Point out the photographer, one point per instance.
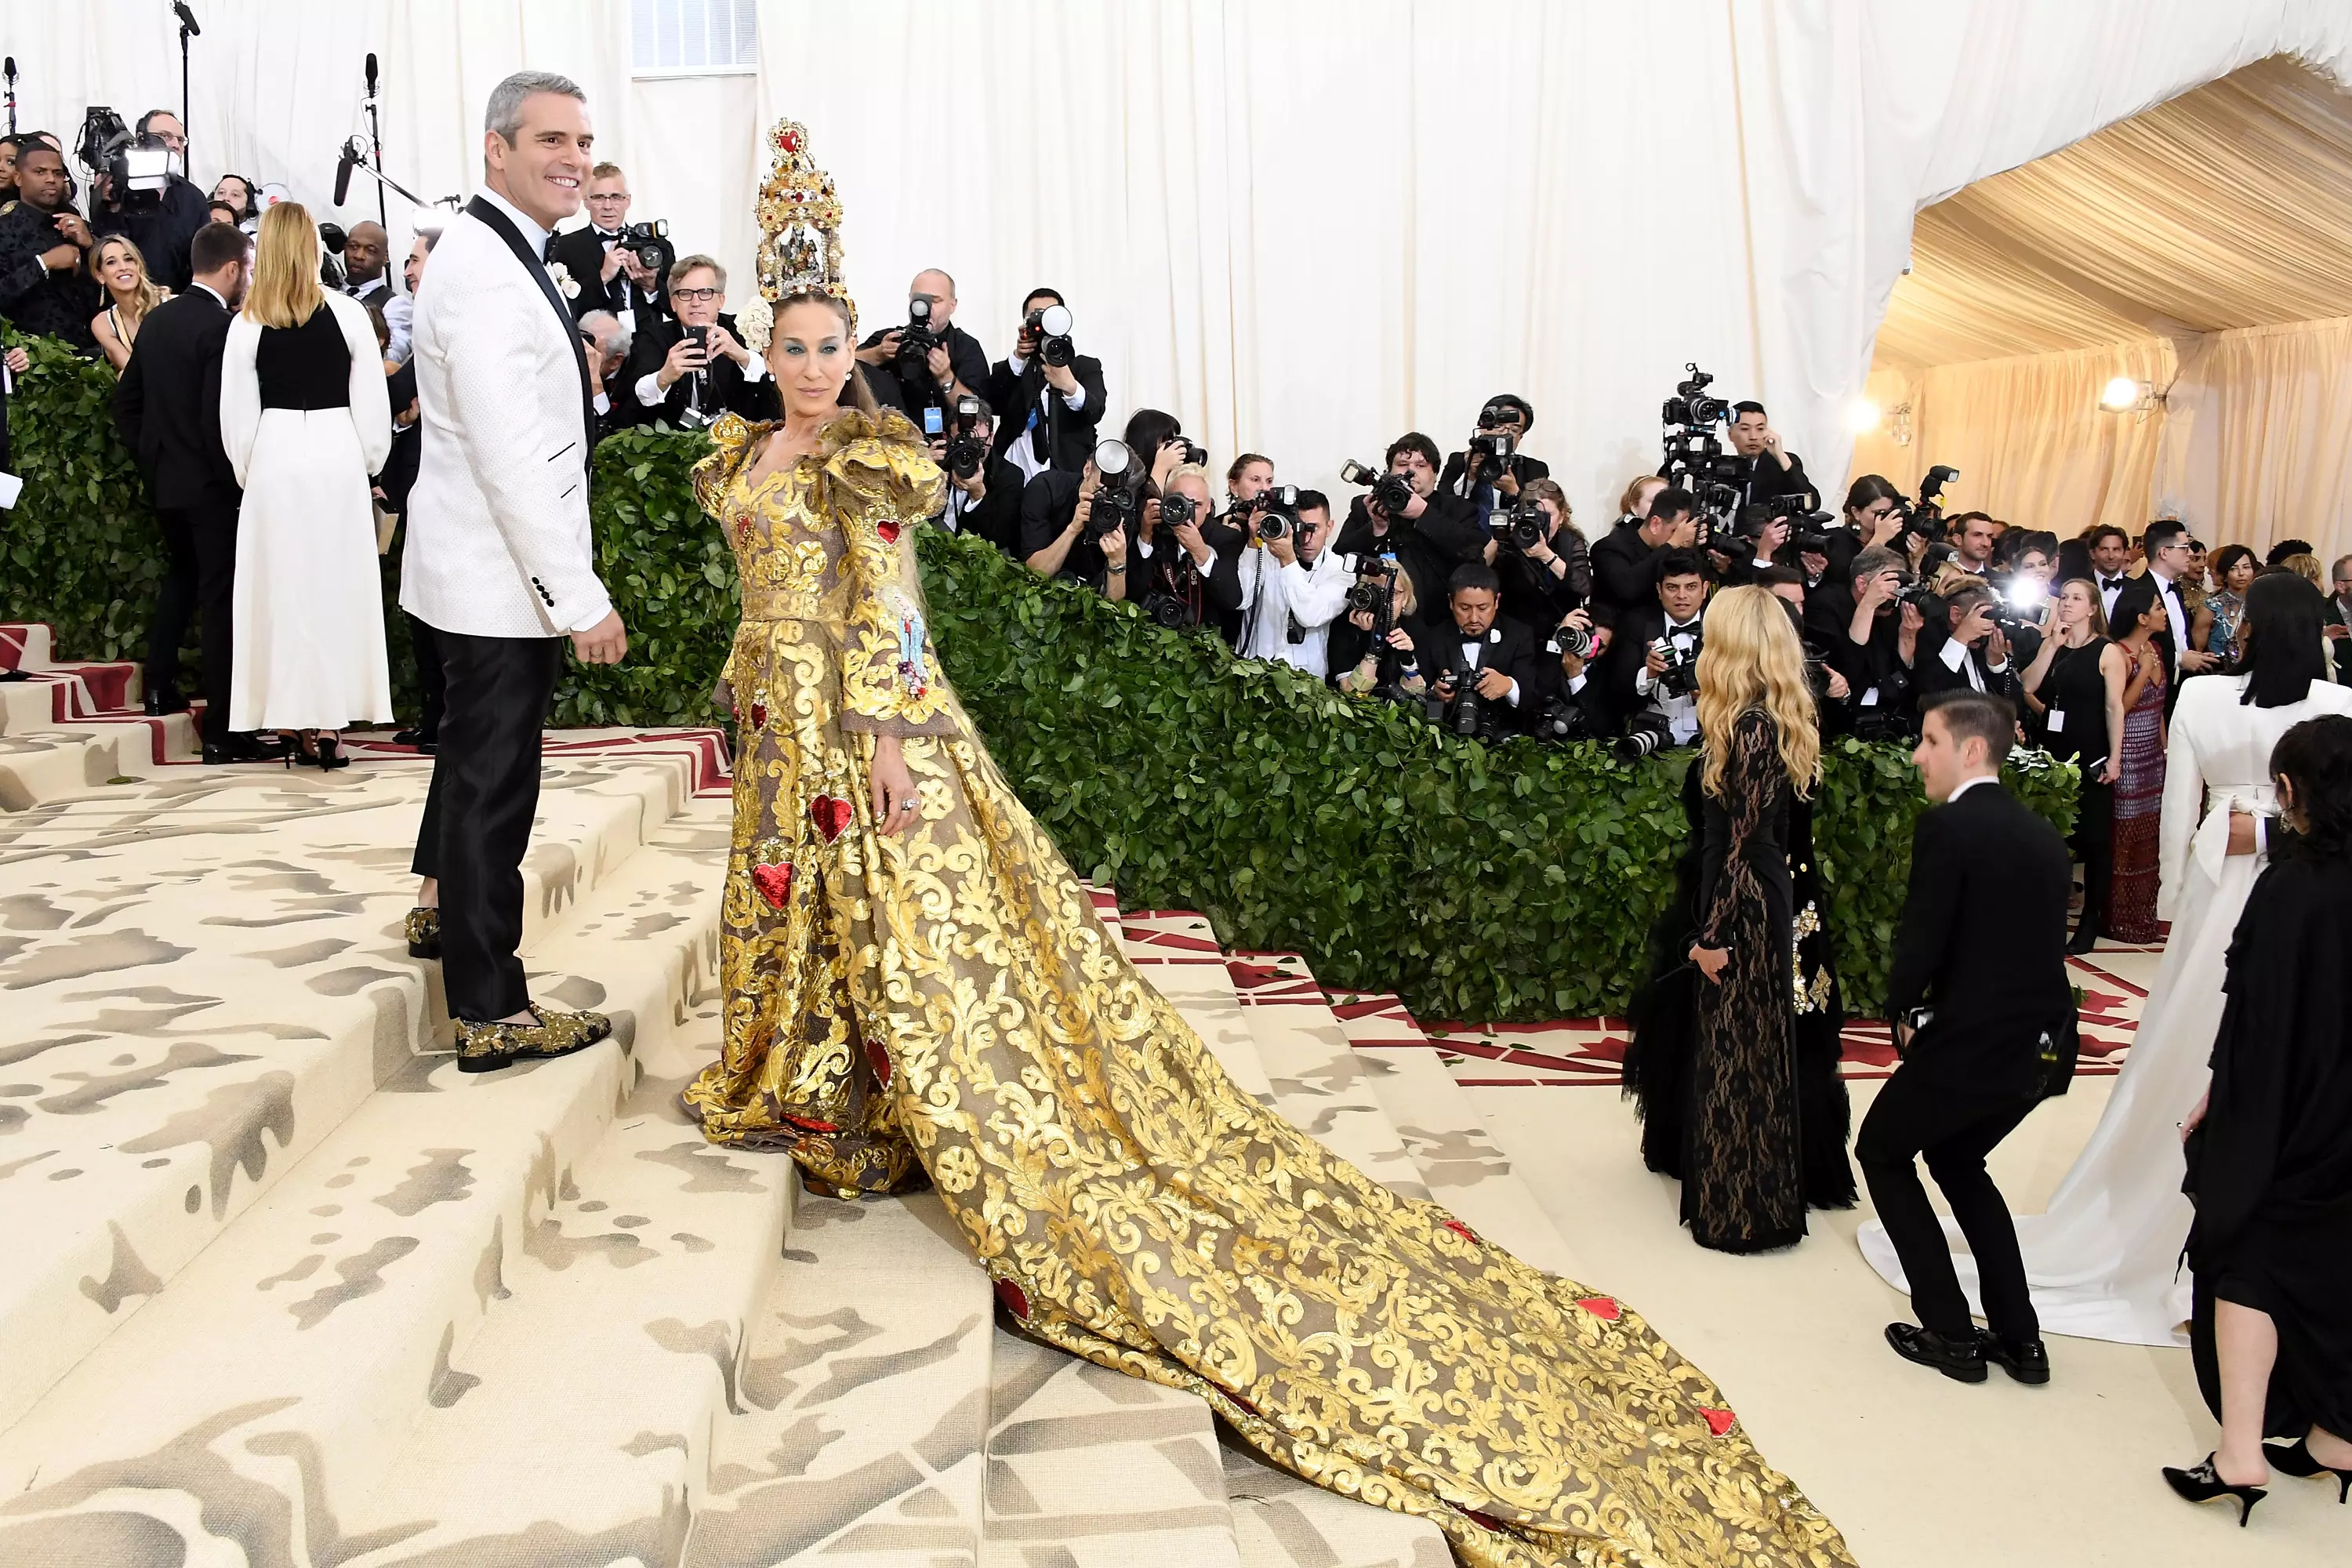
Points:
(602, 258)
(44, 287)
(1572, 705)
(1491, 471)
(1191, 560)
(1974, 654)
(688, 369)
(1545, 575)
(1292, 587)
(1872, 515)
(606, 338)
(1625, 561)
(1074, 528)
(1376, 646)
(1832, 693)
(1427, 532)
(367, 278)
(1870, 630)
(1482, 670)
(160, 223)
(1652, 670)
(983, 493)
(934, 361)
(1762, 469)
(1047, 411)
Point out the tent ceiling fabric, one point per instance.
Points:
(2228, 206)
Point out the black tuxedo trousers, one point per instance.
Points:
(478, 812)
(1916, 1113)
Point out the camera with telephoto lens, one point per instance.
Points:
(1276, 513)
(137, 169)
(1467, 714)
(966, 451)
(1644, 733)
(1577, 640)
(1920, 595)
(1390, 492)
(1050, 325)
(645, 238)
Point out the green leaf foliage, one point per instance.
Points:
(1501, 883)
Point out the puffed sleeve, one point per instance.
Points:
(731, 437)
(882, 484)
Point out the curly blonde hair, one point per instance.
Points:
(1751, 658)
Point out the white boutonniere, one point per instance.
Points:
(565, 284)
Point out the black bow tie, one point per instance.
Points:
(2111, 581)
(547, 251)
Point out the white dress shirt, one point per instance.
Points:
(2108, 588)
(1023, 451)
(1273, 594)
(1956, 659)
(1969, 784)
(1681, 714)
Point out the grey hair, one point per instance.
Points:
(594, 319)
(504, 114)
(431, 236)
(686, 264)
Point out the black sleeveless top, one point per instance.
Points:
(2075, 688)
(309, 366)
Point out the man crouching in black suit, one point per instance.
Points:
(1482, 670)
(1980, 963)
(688, 369)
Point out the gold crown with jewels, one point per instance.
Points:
(800, 235)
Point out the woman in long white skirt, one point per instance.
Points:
(2104, 1260)
(305, 418)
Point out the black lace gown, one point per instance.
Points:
(1736, 1083)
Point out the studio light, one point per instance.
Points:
(1862, 416)
(2125, 395)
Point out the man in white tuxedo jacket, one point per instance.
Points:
(499, 562)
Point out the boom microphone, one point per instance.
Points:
(371, 74)
(187, 19)
(344, 168)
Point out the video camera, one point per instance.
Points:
(1049, 324)
(1390, 492)
(1492, 443)
(966, 451)
(136, 169)
(1694, 459)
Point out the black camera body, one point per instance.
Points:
(137, 169)
(1494, 447)
(966, 451)
(1050, 324)
(1690, 405)
(912, 365)
(1113, 506)
(1390, 492)
(1175, 511)
(1275, 512)
(1561, 719)
(1374, 594)
(1644, 733)
(1680, 678)
(645, 238)
(1522, 527)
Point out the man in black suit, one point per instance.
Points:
(1625, 560)
(367, 278)
(1634, 673)
(1981, 965)
(1871, 637)
(609, 275)
(1494, 657)
(1470, 475)
(1058, 539)
(1973, 654)
(672, 378)
(2168, 551)
(986, 502)
(1046, 414)
(1433, 534)
(167, 406)
(1762, 469)
(955, 366)
(45, 287)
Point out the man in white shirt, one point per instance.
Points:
(1047, 413)
(1675, 623)
(1292, 590)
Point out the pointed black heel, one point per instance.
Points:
(2204, 1484)
(2298, 1462)
(330, 754)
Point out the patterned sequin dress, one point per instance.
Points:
(949, 999)
(2137, 796)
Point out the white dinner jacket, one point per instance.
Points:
(499, 543)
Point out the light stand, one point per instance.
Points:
(375, 143)
(12, 94)
(188, 29)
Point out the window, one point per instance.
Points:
(693, 38)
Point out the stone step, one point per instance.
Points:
(103, 685)
(1320, 1085)
(1176, 949)
(54, 760)
(1445, 1133)
(206, 977)
(1281, 1521)
(321, 1323)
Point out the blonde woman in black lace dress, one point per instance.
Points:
(1744, 1179)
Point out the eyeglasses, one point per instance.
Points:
(611, 197)
(694, 296)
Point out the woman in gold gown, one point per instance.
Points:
(915, 979)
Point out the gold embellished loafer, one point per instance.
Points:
(423, 929)
(487, 1047)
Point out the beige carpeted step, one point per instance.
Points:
(291, 1356)
(205, 978)
(1445, 1133)
(1281, 1521)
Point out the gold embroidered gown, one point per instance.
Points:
(949, 999)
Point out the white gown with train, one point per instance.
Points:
(2103, 1260)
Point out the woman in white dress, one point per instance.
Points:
(2104, 1261)
(306, 419)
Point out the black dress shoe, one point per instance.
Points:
(165, 702)
(1962, 1360)
(2027, 1361)
(238, 749)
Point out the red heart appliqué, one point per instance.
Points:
(774, 883)
(888, 529)
(1016, 1300)
(831, 814)
(811, 1125)
(1463, 1231)
(758, 715)
(1601, 1307)
(1717, 1421)
(879, 1059)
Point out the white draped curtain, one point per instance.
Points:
(1303, 226)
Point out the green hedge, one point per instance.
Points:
(1511, 882)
